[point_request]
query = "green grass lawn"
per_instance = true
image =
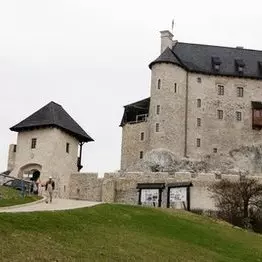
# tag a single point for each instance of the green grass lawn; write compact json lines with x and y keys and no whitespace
{"x":123,"y":233}
{"x":10,"y":197}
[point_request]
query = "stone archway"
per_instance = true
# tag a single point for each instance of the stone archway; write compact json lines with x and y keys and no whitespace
{"x":31,"y":171}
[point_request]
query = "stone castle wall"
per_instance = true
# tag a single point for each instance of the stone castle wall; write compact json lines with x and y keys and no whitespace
{"x":224,"y":134}
{"x":216,"y":135}
{"x":122,"y":187}
{"x":132,"y":143}
{"x":85,"y":186}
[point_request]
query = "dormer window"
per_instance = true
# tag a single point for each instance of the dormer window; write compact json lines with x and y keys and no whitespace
{"x":216,"y":62}
{"x":239,"y":66}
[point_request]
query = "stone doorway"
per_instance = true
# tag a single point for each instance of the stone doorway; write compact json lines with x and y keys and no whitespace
{"x":30,"y":172}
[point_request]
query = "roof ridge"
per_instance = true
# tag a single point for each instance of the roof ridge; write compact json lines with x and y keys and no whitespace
{"x":219,"y":46}
{"x":178,"y":58}
{"x":52,"y":110}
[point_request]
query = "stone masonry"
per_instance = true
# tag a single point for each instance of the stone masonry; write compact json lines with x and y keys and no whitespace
{"x":185,"y":107}
{"x":122,"y":187}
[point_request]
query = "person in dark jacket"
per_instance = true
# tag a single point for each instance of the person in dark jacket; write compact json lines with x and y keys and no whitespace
{"x":49,"y":188}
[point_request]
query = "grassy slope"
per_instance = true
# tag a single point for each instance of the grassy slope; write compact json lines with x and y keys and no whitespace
{"x":10,"y":197}
{"x":123,"y":233}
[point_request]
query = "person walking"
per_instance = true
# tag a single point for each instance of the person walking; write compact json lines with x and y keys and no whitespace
{"x":49,"y":188}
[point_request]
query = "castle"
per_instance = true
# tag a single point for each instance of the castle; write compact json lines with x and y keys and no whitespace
{"x":49,"y":143}
{"x":205,"y":100}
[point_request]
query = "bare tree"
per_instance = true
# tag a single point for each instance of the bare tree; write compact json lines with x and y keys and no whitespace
{"x":234,"y":200}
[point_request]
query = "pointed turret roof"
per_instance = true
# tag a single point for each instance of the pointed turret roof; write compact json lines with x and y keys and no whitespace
{"x":53,"y":115}
{"x":168,"y":56}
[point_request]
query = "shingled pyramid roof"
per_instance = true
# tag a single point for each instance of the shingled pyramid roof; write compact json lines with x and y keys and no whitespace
{"x":168,"y":56}
{"x":53,"y":115}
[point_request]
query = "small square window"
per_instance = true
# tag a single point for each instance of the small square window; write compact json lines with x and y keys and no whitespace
{"x":199,"y":80}
{"x":142,"y":136}
{"x":14,"y":149}
{"x":220,"y":114}
{"x":67,"y":147}
{"x":198,"y":121}
{"x":240,"y":91}
{"x":198,"y":142}
{"x":239,"y":116}
{"x":157,"y":127}
{"x":220,"y":90}
{"x":198,"y":102}
{"x":33,"y":143}
{"x":215,"y":150}
{"x":158,"y":109}
{"x":175,"y":87}
{"x":141,"y":154}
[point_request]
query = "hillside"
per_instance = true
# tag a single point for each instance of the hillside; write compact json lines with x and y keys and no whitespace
{"x":10,"y":197}
{"x":123,"y":233}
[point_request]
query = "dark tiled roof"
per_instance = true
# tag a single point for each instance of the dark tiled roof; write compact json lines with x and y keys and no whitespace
{"x":132,"y":110}
{"x":53,"y":115}
{"x":198,"y":58}
{"x":167,"y":57}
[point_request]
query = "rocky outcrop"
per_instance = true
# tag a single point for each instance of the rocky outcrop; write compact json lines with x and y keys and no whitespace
{"x":243,"y":160}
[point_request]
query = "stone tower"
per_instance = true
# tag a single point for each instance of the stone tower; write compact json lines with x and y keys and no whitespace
{"x":50,"y":142}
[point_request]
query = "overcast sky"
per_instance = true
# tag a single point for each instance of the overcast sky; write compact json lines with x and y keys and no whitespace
{"x":92,"y":58}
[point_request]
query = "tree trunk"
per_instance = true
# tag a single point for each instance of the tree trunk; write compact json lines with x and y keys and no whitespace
{"x":245,"y":209}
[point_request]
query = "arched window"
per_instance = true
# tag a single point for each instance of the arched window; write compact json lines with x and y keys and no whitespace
{"x":158,"y":84}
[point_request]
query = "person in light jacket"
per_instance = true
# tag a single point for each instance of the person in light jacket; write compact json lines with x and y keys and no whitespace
{"x":49,"y":188}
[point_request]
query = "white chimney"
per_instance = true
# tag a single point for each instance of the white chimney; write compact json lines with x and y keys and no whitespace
{"x":166,"y":40}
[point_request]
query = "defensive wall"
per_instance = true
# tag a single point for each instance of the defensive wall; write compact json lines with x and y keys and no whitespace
{"x":126,"y":187}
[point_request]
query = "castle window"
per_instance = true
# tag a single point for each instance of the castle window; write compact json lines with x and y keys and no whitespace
{"x":240,"y":91}
{"x":215,"y":150}
{"x":14,"y":149}
{"x":220,"y":114}
{"x":142,"y":136}
{"x":239,"y":63}
{"x":199,"y":80}
{"x":256,"y":115}
{"x":158,"y":109}
{"x":239,"y":116}
{"x":220,"y":90}
{"x":157,"y":127}
{"x":198,"y":102}
{"x":158,"y":84}
{"x":67,"y":147}
{"x":175,"y":87}
{"x":141,"y":154}
{"x":216,"y":63}
{"x":198,"y":142}
{"x":33,"y":143}
{"x":198,"y":121}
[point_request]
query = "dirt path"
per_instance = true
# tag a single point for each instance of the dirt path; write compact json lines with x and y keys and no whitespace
{"x":57,"y":204}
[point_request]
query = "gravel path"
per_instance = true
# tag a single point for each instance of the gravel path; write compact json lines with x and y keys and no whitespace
{"x":57,"y":204}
